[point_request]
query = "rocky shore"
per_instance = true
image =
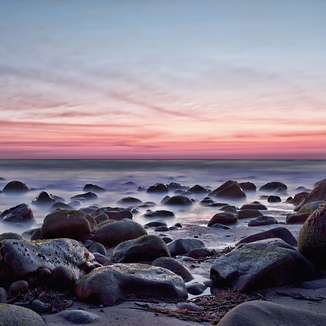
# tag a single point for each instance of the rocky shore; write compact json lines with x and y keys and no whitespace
{"x":96,"y":265}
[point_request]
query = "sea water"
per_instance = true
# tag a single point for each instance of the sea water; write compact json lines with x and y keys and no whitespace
{"x":122,"y":178}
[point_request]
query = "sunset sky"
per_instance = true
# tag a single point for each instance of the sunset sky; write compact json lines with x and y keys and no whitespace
{"x":163,"y":79}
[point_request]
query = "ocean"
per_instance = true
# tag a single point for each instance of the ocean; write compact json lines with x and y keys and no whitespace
{"x":122,"y":178}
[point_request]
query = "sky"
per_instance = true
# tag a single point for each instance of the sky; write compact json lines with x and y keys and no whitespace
{"x":156,"y":79}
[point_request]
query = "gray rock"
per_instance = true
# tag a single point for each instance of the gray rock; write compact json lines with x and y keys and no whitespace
{"x":177,"y":200}
{"x":18,"y":214}
{"x":258,"y":313}
{"x":10,"y":235}
{"x":158,"y":188}
{"x":93,"y":188}
{"x":85,"y":196}
{"x":111,"y":234}
{"x":248,"y":213}
{"x":230,"y":189}
{"x":310,"y":207}
{"x":296,"y":218}
{"x":79,"y":317}
{"x":59,"y":206}
{"x":273,"y":186}
{"x":199,"y":253}
{"x":126,"y":201}
{"x":17,"y":287}
{"x":198,"y":189}
{"x":184,"y":246}
{"x":15,"y":187}
{"x":97,"y":247}
{"x":63,"y":278}
{"x":156,"y":224}
{"x":196,"y":288}
{"x":259,"y":265}
{"x":102,"y":259}
{"x":189,"y":306}
{"x":159,"y":214}
{"x":3,"y":295}
{"x":223,"y":218}
{"x":174,"y":266}
{"x":317,"y":194}
{"x":144,"y":248}
{"x":254,"y":205}
{"x":12,"y":315}
{"x":220,"y":226}
{"x":263,"y":220}
{"x":36,"y":305}
{"x":43,"y":199}
{"x":114,"y":213}
{"x":107,"y":285}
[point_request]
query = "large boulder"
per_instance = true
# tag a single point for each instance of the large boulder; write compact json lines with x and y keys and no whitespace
{"x":258,"y":313}
{"x":158,"y":188}
{"x":68,"y":224}
{"x":93,"y":188}
{"x":177,"y":200}
{"x":111,"y":234}
{"x":262,"y":264}
{"x":312,"y":237}
{"x":230,"y":189}
{"x":107,"y":285}
{"x":273,"y":186}
{"x":248,"y":213}
{"x":18,"y":214}
{"x":12,"y":315}
{"x":15,"y":186}
{"x":310,"y":207}
{"x":223,"y":218}
{"x":318,"y":193}
{"x":43,"y":199}
{"x":145,"y":248}
{"x":198,"y":189}
{"x":129,"y":201}
{"x":262,"y":220}
{"x":19,"y":258}
{"x":298,"y":198}
{"x":248,"y":186}
{"x":254,"y":205}
{"x":184,"y":246}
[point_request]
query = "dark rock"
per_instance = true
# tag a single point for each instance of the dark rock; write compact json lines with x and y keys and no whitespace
{"x":184,"y":246}
{"x":177,"y":200}
{"x":15,"y":186}
{"x":207,"y":201}
{"x":254,"y":205}
{"x":3,"y":295}
{"x":159,"y":213}
{"x":102,"y":259}
{"x":18,"y":214}
{"x":278,"y":232}
{"x":107,"y":285}
{"x":230,"y":189}
{"x":312,"y":237}
{"x":199,"y":253}
{"x":155,"y":224}
{"x":68,"y":224}
{"x":190,"y":306}
{"x":129,"y":201}
{"x":296,"y":218}
{"x":101,"y":218}
{"x":174,"y":186}
{"x":97,"y":247}
{"x":262,"y":264}
{"x":196,"y":288}
{"x":263,"y":220}
{"x":175,"y":266}
{"x":274,"y":199}
{"x":298,"y":198}
{"x":223,"y":218}
{"x":86,"y":196}
{"x":37,"y":235}
{"x":247,"y":186}
{"x":273,"y":186}
{"x":317,"y":194}
{"x":158,"y":188}
{"x":43,"y":199}
{"x":118,"y":215}
{"x":197,"y":189}
{"x":162,"y":229}
{"x":59,"y":205}
{"x":10,"y":235}
{"x":17,"y":287}
{"x":93,"y":188}
{"x":248,"y":213}
{"x":63,"y":278}
{"x":36,"y":305}
{"x":310,"y":207}
{"x":220,"y":226}
{"x":111,"y":234}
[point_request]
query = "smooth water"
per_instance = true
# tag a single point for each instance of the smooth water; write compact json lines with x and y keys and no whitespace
{"x":67,"y":178}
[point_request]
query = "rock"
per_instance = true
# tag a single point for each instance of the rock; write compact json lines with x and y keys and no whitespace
{"x":101,"y":218}
{"x":248,"y":213}
{"x":37,"y":235}
{"x":273,"y":186}
{"x":298,"y":198}
{"x":18,"y":214}
{"x":174,"y":186}
{"x":177,"y":200}
{"x":43,"y":199}
{"x":261,"y":264}
{"x":175,"y":266}
{"x":158,"y":188}
{"x":145,"y":248}
{"x":207,"y":201}
{"x":190,"y":306}
{"x":112,"y":234}
{"x":12,"y":315}
{"x":15,"y":186}
{"x":3,"y":295}
{"x":93,"y":188}
{"x":310,"y":207}
{"x":257,"y":313}
{"x":59,"y":206}
{"x":63,"y":278}
{"x":278,"y":232}
{"x":317,"y":194}
{"x":126,"y":201}
{"x":155,"y":224}
{"x":159,"y":214}
{"x":10,"y":235}
{"x":254,"y":205}
{"x":196,"y":288}
{"x":274,"y":199}
{"x":107,"y":285}
{"x":97,"y":247}
{"x":220,"y":226}
{"x":312,"y":237}
{"x":184,"y":246}
{"x":86,"y":196}
{"x":199,"y":253}
{"x":79,"y":317}
{"x":263,"y":220}
{"x":19,"y":258}
{"x":36,"y":305}
{"x":17,"y":287}
{"x":223,"y":218}
{"x":296,"y":218}
{"x":197,"y":189}
{"x":248,"y":186}
{"x":68,"y":224}
{"x":230,"y":189}
{"x":164,"y":228}
{"x":119,"y":214}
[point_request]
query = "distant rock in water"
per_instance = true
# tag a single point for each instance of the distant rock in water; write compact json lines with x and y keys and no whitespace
{"x":18,"y":214}
{"x":43,"y":199}
{"x":198,"y":189}
{"x":86,"y":196}
{"x":93,"y":188}
{"x":158,"y":188}
{"x":129,"y":201}
{"x":177,"y":200}
{"x":159,"y":213}
{"x":248,"y":186}
{"x":15,"y":186}
{"x":273,"y":186}
{"x":230,"y":189}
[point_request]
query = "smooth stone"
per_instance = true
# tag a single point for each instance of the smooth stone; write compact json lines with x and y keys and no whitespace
{"x":184,"y":246}
{"x":93,"y":188}
{"x":254,"y":205}
{"x":258,"y":313}
{"x":114,"y":213}
{"x":78,"y":316}
{"x":274,"y":199}
{"x":60,"y":206}
{"x":177,"y":200}
{"x":189,"y":306}
{"x":310,"y":207}
{"x":17,"y":287}
{"x":162,"y":229}
{"x":248,"y":213}
{"x":85,"y":196}
{"x":223,"y":218}
{"x":298,"y":198}
{"x":158,"y":188}
{"x":10,"y":235}
{"x":3,"y":295}
{"x":220,"y":226}
{"x":248,"y":186}
{"x":174,"y":266}
{"x":156,"y":224}
{"x":273,"y":186}
{"x":63,"y":278}
{"x":196,"y":288}
{"x":36,"y":305}
{"x":15,"y":187}
{"x":43,"y":199}
{"x":97,"y":247}
{"x":18,"y":214}
{"x":263,"y":220}
{"x":100,"y":218}
{"x":130,"y":201}
{"x":198,"y":189}
{"x":102,"y":259}
{"x":296,"y":218}
{"x":199,"y":253}
{"x":159,"y":214}
{"x":230,"y":189}
{"x":317,"y":194}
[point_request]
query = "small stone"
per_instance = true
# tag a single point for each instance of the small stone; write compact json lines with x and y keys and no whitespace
{"x":17,"y":287}
{"x":196,"y":288}
{"x":63,"y":278}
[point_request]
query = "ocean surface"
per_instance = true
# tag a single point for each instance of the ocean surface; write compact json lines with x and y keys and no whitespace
{"x":121,"y":178}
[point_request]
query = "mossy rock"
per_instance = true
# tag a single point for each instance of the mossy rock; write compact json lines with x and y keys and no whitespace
{"x":309,"y":208}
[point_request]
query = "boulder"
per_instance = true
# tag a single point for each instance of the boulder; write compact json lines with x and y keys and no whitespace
{"x":261,"y":264}
{"x":223,"y":218}
{"x":93,"y":188}
{"x":310,"y":207}
{"x":145,"y":248}
{"x":175,"y":266}
{"x":278,"y":232}
{"x":312,"y":237}
{"x":230,"y":189}
{"x":111,"y":234}
{"x":298,"y":198}
{"x":19,"y":258}
{"x":59,"y":206}
{"x":248,"y":213}
{"x":68,"y":224}
{"x":18,"y":214}
{"x":196,"y":288}
{"x":129,"y":201}
{"x":15,"y":186}
{"x":109,"y":284}
{"x":12,"y":315}
{"x":159,"y":213}
{"x":155,"y":224}
{"x":86,"y":196}
{"x":114,"y":213}
{"x":258,"y":313}
{"x":262,"y":220}
{"x":296,"y":218}
{"x":274,"y":199}
{"x":43,"y":199}
{"x":273,"y":186}
{"x":254,"y":205}
{"x":184,"y":246}
{"x":158,"y":188}
{"x":198,"y":189}
{"x":318,"y":193}
{"x":177,"y":200}
{"x":10,"y":235}
{"x":248,"y":186}
{"x":63,"y":278}
{"x":78,"y":317}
